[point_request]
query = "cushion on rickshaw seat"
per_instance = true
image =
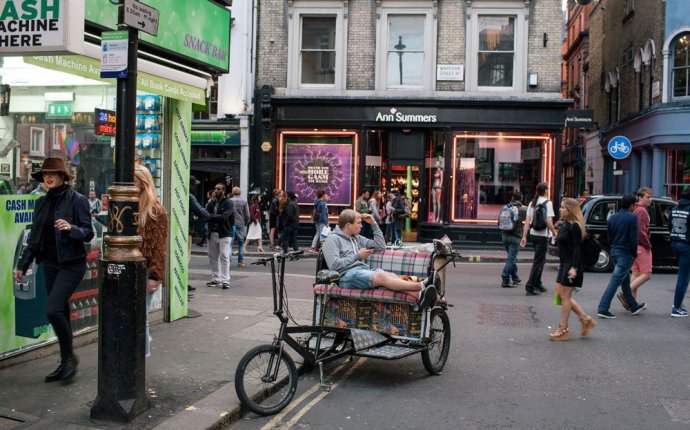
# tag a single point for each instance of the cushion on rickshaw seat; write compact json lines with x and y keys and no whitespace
{"x":370,"y":294}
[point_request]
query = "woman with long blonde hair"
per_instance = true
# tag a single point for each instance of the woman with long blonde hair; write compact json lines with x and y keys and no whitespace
{"x":152,"y":223}
{"x":569,"y":241}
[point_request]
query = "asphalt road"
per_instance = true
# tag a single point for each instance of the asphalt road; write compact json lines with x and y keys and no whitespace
{"x":503,"y":372}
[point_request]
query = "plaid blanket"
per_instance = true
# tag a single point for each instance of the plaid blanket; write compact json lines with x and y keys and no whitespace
{"x":401,"y":262}
{"x":373,"y":294}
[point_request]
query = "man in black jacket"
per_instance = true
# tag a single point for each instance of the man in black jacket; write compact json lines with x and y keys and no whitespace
{"x":679,"y":229}
{"x":220,"y":237}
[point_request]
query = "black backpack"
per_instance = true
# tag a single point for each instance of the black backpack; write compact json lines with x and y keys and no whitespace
{"x":539,"y":218}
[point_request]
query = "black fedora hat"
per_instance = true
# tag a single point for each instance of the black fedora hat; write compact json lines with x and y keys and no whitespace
{"x":53,"y":164}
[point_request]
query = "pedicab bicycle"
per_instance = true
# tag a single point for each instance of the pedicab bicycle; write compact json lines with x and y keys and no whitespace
{"x":375,"y":323}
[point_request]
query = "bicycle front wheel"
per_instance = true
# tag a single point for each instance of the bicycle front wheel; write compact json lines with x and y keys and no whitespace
{"x":435,"y":355}
{"x":266,"y":380}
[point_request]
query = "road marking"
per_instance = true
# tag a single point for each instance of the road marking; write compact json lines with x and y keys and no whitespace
{"x":243,"y":273}
{"x":278,"y":418}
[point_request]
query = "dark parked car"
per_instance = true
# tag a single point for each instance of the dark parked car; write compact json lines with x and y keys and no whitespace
{"x":596,"y":210}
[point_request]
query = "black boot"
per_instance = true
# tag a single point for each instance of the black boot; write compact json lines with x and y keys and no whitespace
{"x":69,"y":367}
{"x":56,"y":374}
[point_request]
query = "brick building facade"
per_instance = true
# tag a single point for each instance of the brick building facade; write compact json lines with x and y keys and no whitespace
{"x":455,"y":103}
{"x":638,"y":66}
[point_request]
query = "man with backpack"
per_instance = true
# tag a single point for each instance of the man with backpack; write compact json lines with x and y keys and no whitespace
{"x":510,"y":220}
{"x":539,"y":223}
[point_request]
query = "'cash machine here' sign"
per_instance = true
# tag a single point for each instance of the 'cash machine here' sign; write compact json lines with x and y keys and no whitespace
{"x":41,"y":26}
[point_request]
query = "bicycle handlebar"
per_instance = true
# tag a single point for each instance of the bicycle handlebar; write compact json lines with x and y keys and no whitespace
{"x":264,"y":261}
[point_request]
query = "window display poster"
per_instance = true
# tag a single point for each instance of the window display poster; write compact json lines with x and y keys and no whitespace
{"x":310,"y":167}
{"x":22,"y":304}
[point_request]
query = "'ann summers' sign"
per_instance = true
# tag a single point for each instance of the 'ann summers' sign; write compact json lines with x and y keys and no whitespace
{"x":395,"y":115}
{"x":41,"y":26}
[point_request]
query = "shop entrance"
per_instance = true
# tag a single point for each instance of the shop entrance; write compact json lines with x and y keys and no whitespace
{"x":406,"y":172}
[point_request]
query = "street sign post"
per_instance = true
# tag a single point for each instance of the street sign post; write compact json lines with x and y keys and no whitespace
{"x":619,"y":147}
{"x":142,"y":17}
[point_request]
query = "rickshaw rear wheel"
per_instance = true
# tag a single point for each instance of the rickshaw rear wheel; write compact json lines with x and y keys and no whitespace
{"x":435,"y":355}
{"x":255,"y":385}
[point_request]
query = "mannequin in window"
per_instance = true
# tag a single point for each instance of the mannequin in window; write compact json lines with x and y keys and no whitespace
{"x":436,"y":187}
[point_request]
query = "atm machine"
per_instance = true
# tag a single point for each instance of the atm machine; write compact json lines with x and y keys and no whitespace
{"x":30,"y":296}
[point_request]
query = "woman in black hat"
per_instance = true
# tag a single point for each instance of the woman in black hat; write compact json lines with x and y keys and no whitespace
{"x":61,"y":226}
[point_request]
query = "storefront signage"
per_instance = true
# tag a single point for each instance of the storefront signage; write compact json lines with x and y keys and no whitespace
{"x":59,"y":110}
{"x":90,"y":68}
{"x":395,"y":115}
{"x":266,"y":146}
{"x":179,"y":208}
{"x":114,"y":48}
{"x":216,"y":137}
{"x":198,"y":30}
{"x":450,"y":72}
{"x":142,"y":17}
{"x":619,"y":147}
{"x":22,"y":304}
{"x":105,"y":122}
{"x":579,"y":118}
{"x":41,"y":26}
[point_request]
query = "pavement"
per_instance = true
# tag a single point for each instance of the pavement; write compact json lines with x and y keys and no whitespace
{"x":189,"y":377}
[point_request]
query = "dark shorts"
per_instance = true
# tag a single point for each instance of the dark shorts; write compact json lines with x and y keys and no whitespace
{"x":562,"y":277}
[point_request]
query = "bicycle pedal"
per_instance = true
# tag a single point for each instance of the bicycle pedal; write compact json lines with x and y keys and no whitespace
{"x":326,"y":386}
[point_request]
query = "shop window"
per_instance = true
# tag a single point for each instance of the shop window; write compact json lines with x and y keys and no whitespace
{"x":324,"y":160}
{"x":496,"y":38}
{"x":678,"y":171}
{"x":38,"y":141}
{"x":59,"y":134}
{"x":406,"y":48}
{"x":316,"y":48}
{"x":489,"y":168}
{"x":681,"y":66}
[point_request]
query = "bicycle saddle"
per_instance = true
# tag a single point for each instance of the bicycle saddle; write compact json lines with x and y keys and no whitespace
{"x":327,"y":276}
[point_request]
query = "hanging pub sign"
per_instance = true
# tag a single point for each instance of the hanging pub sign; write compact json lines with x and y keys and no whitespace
{"x":41,"y":27}
{"x":105,"y":122}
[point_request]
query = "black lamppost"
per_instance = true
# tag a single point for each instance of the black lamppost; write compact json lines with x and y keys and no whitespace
{"x":399,"y":47}
{"x":122,"y":294}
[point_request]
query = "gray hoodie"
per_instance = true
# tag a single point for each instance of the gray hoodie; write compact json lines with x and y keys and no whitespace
{"x":342,"y":251}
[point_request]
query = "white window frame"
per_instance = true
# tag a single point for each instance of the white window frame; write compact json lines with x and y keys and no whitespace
{"x":413,"y":8}
{"x":57,"y":128}
{"x":294,"y":69}
{"x":39,"y":149}
{"x":521,"y":49}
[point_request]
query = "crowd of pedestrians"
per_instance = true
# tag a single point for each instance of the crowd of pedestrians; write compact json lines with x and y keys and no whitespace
{"x":630,"y":249}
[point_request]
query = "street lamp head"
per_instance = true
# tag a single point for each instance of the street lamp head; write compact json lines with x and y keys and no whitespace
{"x":400,"y":46}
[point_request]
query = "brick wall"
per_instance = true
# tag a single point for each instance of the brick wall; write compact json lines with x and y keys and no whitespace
{"x":272,"y":44}
{"x":361,"y":42}
{"x":451,"y":42}
{"x":545,"y":16}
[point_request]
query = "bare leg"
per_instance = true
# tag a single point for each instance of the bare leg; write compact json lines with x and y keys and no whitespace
{"x":566,"y":303}
{"x":637,"y":280}
{"x":271,"y":235}
{"x":391,"y":281}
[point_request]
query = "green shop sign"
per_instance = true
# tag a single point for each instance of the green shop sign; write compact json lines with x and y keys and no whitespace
{"x":217,"y":137}
{"x":59,"y":110}
{"x":90,"y":68}
{"x":196,"y":29}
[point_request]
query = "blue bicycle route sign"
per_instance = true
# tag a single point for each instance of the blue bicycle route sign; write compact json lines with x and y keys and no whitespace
{"x":620,"y":147}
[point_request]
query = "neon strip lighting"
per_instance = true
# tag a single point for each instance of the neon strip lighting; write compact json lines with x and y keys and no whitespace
{"x":507,"y":136}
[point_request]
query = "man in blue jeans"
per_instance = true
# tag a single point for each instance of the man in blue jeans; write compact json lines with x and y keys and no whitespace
{"x":679,"y":229}
{"x":622,"y":235}
{"x":511,"y":241}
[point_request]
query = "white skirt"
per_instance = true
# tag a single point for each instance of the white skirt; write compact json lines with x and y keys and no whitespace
{"x":254,"y":232}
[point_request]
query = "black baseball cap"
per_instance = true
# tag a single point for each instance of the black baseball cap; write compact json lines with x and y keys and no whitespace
{"x":193,"y":180}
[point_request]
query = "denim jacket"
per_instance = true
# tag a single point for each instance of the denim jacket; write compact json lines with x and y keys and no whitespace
{"x":73,"y":208}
